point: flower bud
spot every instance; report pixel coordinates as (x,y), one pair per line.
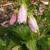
(33,24)
(22,14)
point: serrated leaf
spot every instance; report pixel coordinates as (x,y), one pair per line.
(31,45)
(22,30)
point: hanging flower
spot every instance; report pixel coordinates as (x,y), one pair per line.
(5,24)
(13,19)
(33,24)
(41,10)
(45,2)
(22,14)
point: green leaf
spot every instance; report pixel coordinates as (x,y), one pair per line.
(43,44)
(31,44)
(23,31)
(11,44)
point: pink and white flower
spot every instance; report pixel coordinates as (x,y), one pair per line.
(33,24)
(22,14)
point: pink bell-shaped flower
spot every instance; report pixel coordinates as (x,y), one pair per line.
(13,19)
(33,24)
(22,14)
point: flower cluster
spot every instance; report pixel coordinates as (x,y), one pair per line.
(24,25)
(9,15)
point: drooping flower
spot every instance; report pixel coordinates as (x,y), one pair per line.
(46,2)
(22,14)
(33,24)
(13,19)
(41,10)
(5,24)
